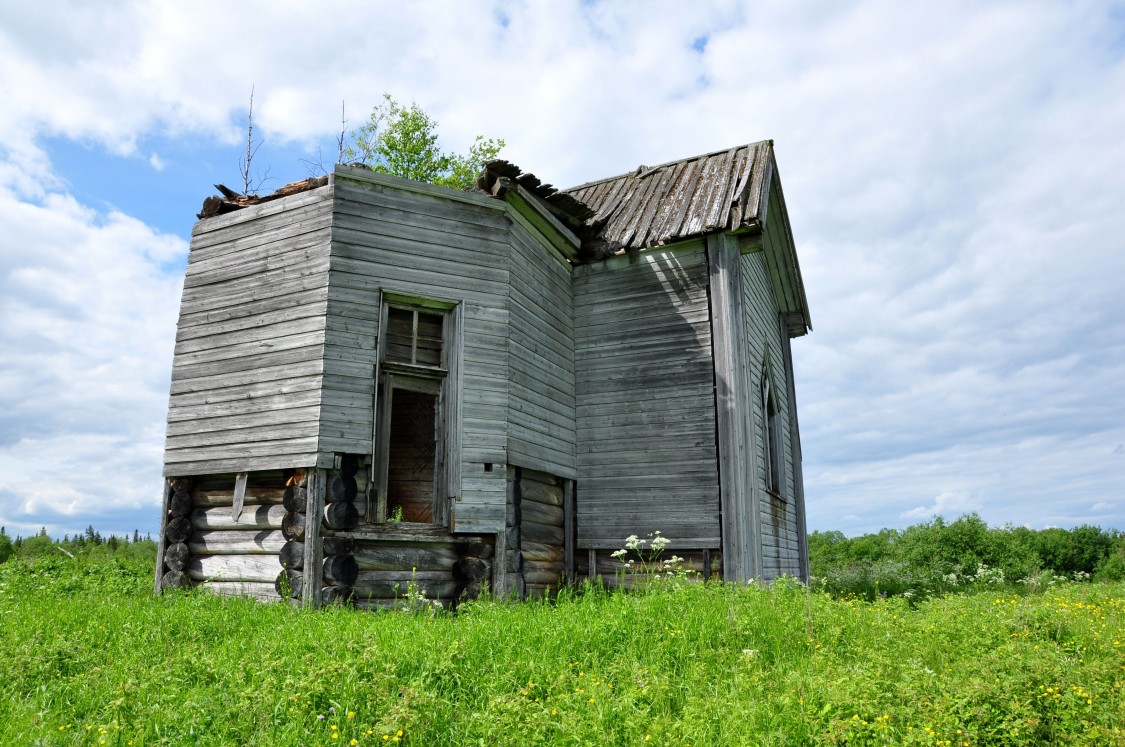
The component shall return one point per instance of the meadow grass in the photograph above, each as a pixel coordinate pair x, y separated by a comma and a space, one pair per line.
88, 656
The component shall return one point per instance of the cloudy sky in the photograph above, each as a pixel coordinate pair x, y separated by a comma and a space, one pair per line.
954, 172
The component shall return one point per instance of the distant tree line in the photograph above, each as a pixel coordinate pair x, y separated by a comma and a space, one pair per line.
939, 555
88, 543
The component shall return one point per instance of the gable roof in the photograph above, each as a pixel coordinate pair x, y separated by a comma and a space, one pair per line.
721, 191
736, 190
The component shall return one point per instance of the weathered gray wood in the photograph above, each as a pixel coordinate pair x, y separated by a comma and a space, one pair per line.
253, 517
176, 530
161, 542
342, 488
400, 556
337, 595
289, 584
342, 515
255, 568
629, 374
541, 358
471, 570
316, 487
530, 490
239, 496
180, 504
281, 460
798, 477
543, 573
542, 513
394, 584
174, 580
338, 545
176, 556
534, 551
292, 555
295, 499
293, 525
569, 530
340, 570
236, 542
542, 533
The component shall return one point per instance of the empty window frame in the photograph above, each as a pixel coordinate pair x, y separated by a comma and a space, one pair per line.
775, 476
416, 420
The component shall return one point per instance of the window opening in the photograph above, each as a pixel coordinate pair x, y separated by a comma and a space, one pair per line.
410, 466
413, 337
772, 439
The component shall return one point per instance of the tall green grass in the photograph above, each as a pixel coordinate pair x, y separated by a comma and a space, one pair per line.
88, 656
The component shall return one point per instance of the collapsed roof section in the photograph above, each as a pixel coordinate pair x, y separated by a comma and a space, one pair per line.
734, 190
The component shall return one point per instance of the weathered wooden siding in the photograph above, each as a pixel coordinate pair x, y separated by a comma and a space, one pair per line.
247, 372
645, 399
541, 431
397, 236
766, 345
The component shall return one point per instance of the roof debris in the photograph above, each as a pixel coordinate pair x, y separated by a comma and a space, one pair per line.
646, 207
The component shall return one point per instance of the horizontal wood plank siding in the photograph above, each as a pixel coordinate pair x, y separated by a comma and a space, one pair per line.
645, 402
419, 243
247, 371
541, 429
781, 552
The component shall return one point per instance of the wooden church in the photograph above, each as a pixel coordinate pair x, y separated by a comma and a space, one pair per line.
380, 383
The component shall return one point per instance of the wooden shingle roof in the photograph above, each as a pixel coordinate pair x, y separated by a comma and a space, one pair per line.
720, 191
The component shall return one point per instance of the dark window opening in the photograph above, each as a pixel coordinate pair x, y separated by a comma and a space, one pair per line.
413, 337
774, 473
412, 463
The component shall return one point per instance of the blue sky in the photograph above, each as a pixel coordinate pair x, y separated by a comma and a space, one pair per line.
955, 177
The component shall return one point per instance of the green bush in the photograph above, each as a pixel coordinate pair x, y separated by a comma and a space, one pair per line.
938, 556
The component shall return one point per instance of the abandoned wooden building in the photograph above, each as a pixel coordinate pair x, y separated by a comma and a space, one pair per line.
379, 382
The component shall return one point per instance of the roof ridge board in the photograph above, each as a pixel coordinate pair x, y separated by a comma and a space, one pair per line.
649, 169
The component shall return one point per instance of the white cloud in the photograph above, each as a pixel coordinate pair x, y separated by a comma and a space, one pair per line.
87, 320
157, 163
949, 504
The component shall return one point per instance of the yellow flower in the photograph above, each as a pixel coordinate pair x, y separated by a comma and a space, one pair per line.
351, 714
354, 741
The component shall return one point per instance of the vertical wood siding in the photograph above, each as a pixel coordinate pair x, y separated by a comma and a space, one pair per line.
246, 375
780, 549
645, 399
541, 431
422, 244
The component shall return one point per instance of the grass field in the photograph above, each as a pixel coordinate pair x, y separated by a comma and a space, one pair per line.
88, 656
